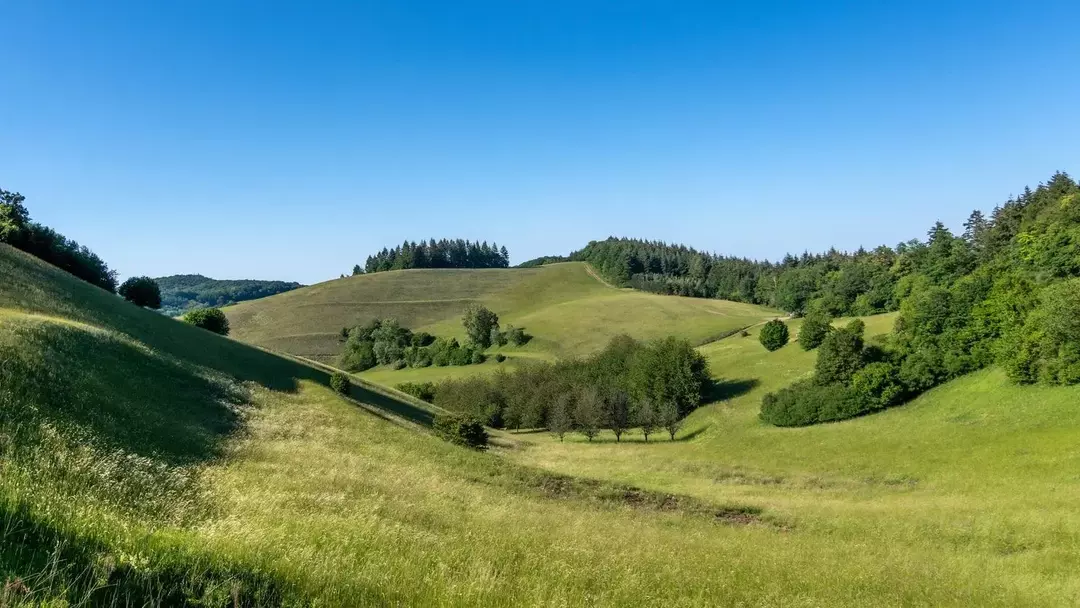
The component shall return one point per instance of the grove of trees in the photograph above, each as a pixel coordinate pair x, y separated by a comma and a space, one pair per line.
1007, 291
629, 384
453, 253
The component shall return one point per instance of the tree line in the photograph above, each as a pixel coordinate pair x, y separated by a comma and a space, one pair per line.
1005, 292
445, 253
630, 384
17, 230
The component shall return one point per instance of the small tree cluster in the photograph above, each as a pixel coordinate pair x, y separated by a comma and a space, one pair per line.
386, 342
481, 325
211, 319
815, 327
456, 253
628, 384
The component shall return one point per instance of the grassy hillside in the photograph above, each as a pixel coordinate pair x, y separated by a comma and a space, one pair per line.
149, 462
568, 311
975, 476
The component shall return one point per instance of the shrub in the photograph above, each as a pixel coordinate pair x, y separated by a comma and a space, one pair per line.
498, 338
840, 355
477, 357
211, 319
878, 385
461, 429
806, 402
774, 335
359, 355
422, 339
744, 334
813, 331
340, 383
516, 335
141, 291
399, 364
425, 391
499, 358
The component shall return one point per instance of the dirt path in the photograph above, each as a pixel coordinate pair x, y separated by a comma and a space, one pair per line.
596, 275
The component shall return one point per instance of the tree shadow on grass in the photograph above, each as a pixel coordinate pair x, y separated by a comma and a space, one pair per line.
723, 390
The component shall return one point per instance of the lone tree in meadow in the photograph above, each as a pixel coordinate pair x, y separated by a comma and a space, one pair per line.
211, 319
813, 331
774, 335
141, 291
479, 322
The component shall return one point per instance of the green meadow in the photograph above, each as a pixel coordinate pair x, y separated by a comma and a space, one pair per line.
148, 462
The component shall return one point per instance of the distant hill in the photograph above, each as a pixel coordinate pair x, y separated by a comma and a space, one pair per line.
565, 308
183, 292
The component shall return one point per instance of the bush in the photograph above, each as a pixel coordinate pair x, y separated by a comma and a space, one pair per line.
461, 429
774, 335
499, 358
878, 385
422, 339
1046, 348
211, 319
498, 338
813, 331
840, 355
516, 336
359, 355
478, 357
340, 383
425, 391
141, 291
399, 364
806, 402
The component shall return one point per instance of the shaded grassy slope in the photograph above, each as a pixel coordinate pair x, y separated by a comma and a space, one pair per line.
568, 311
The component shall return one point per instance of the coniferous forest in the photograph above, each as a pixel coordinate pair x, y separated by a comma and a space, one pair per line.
445, 253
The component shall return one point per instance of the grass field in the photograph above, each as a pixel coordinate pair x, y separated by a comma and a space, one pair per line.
146, 462
567, 310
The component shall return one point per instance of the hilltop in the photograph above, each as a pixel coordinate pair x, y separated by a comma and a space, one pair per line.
564, 307
183, 292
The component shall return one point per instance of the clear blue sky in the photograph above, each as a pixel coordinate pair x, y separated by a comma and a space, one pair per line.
290, 140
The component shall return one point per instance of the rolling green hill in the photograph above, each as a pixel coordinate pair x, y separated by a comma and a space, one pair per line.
565, 308
148, 461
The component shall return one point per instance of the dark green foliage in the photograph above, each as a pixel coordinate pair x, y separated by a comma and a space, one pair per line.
14, 217
455, 253
807, 402
543, 260
479, 324
359, 355
813, 331
499, 358
461, 429
606, 390
43, 242
646, 417
669, 419
1046, 348
141, 291
425, 391
340, 383
878, 385
498, 338
211, 319
840, 355
183, 292
834, 282
1003, 291
516, 335
773, 335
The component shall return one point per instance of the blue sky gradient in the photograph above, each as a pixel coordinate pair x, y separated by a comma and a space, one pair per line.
290, 140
